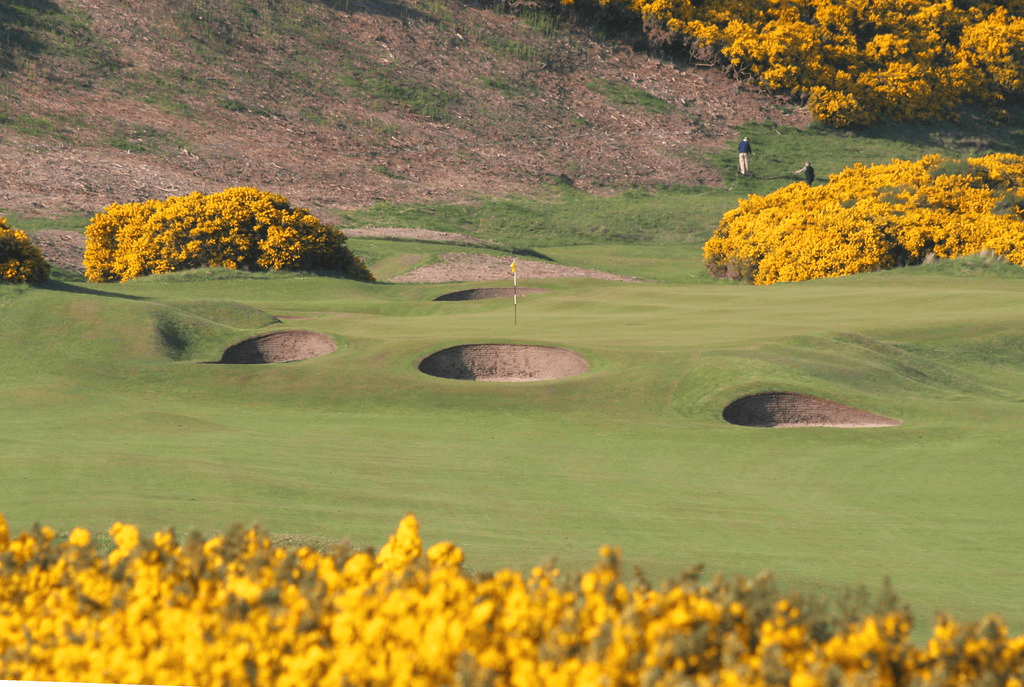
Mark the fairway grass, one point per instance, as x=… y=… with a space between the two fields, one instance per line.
x=110 y=415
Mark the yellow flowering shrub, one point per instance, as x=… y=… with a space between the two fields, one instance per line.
x=235 y=610
x=21 y=261
x=875 y=217
x=858 y=61
x=239 y=228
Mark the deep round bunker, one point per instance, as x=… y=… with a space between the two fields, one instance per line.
x=504 y=363
x=279 y=347
x=787 y=409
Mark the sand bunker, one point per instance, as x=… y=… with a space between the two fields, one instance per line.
x=279 y=347
x=480 y=294
x=479 y=267
x=784 y=409
x=503 y=363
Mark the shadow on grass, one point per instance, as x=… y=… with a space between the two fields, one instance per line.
x=529 y=252
x=976 y=132
x=18 y=24
x=66 y=287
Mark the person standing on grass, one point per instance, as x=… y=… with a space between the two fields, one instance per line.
x=745 y=152
x=808 y=173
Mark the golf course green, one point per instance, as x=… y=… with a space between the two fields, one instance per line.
x=113 y=411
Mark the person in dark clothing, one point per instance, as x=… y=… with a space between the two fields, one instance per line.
x=745 y=152
x=808 y=173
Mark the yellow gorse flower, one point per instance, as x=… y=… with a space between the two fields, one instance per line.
x=858 y=61
x=238 y=228
x=869 y=218
x=21 y=261
x=236 y=610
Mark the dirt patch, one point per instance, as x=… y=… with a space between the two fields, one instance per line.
x=503 y=363
x=63 y=249
x=786 y=409
x=279 y=347
x=520 y=122
x=481 y=294
x=479 y=267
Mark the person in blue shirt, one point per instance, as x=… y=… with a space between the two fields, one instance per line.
x=745 y=152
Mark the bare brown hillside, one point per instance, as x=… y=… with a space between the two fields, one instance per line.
x=342 y=104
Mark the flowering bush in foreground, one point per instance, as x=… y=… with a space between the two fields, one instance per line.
x=875 y=217
x=21 y=261
x=234 y=610
x=239 y=228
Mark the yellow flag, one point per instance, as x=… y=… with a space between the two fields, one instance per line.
x=513 y=266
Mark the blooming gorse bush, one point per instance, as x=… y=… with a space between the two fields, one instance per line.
x=875 y=217
x=234 y=610
x=21 y=261
x=859 y=61
x=239 y=228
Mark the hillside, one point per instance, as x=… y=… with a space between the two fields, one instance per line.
x=342 y=103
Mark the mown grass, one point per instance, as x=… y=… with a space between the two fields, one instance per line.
x=108 y=422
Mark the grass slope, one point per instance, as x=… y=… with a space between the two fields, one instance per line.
x=106 y=422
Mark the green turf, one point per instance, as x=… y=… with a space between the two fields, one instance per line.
x=110 y=415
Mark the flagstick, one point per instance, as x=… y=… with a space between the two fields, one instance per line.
x=515 y=299
x=515 y=294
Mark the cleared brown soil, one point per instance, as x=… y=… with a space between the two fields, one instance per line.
x=64 y=249
x=519 y=123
